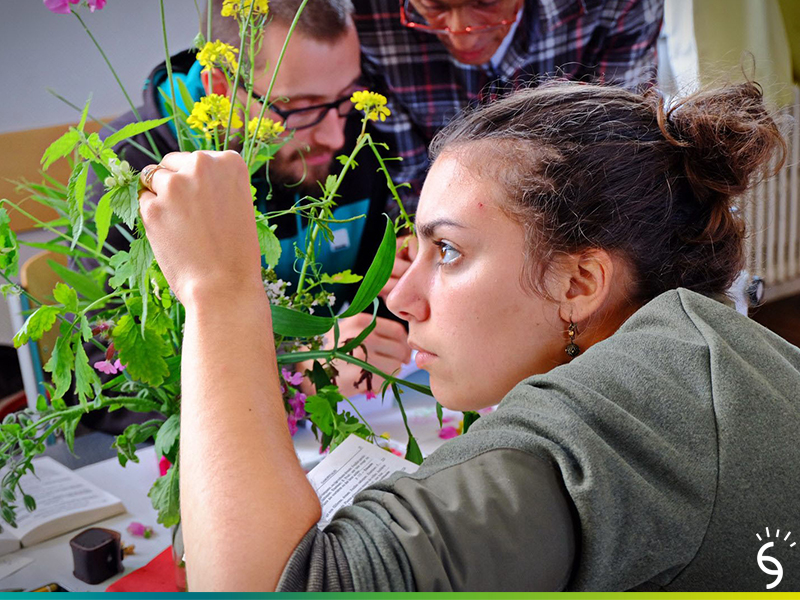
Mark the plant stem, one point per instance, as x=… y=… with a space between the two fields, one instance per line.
x=122 y=87
x=234 y=88
x=249 y=151
x=178 y=124
x=328 y=196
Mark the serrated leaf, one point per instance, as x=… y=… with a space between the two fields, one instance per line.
x=123 y=269
x=167 y=437
x=66 y=296
x=267 y=240
x=9 y=249
x=87 y=382
x=165 y=496
x=61 y=361
x=76 y=192
x=346 y=276
x=36 y=325
x=377 y=275
x=330 y=184
x=124 y=202
x=133 y=129
x=86 y=331
x=84 y=285
x=102 y=219
x=142 y=356
x=69 y=428
x=60 y=148
x=293 y=323
x=319 y=411
x=142 y=258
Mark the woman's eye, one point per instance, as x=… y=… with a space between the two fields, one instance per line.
x=447 y=253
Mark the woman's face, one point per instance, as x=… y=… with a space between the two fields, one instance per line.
x=478 y=332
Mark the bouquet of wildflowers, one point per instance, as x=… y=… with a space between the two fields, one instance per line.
x=123 y=305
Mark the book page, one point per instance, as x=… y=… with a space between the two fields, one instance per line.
x=64 y=501
x=351 y=467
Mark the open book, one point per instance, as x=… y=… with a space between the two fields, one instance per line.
x=65 y=501
x=351 y=467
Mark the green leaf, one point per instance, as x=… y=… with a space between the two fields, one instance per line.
x=125 y=202
x=470 y=416
x=133 y=129
x=69 y=427
x=87 y=382
x=165 y=496
x=102 y=219
x=41 y=403
x=143 y=356
x=66 y=296
x=9 y=249
x=76 y=193
x=344 y=277
x=40 y=322
x=84 y=113
x=293 y=323
x=86 y=331
x=439 y=413
x=123 y=269
x=359 y=339
x=94 y=151
x=378 y=274
x=83 y=284
x=413 y=453
x=60 y=148
x=61 y=361
x=58 y=248
x=319 y=410
x=167 y=438
x=267 y=240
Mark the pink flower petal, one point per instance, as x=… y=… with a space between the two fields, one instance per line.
x=447 y=433
x=95 y=4
x=292 y=422
x=60 y=7
x=106 y=367
x=119 y=366
x=163 y=466
x=371 y=395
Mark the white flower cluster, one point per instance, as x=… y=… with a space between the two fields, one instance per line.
x=276 y=290
x=121 y=173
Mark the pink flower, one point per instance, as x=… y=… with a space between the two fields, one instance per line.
x=298 y=404
x=106 y=366
x=95 y=4
x=371 y=395
x=61 y=7
x=291 y=420
x=119 y=366
x=163 y=466
x=447 y=433
x=140 y=530
x=396 y=452
x=292 y=378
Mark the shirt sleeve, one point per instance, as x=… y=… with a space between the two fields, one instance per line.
x=499 y=520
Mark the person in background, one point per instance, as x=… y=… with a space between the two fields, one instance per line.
x=576 y=245
x=313 y=100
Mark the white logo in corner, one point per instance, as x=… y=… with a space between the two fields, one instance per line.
x=764 y=561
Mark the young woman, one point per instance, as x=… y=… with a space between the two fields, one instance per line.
x=575 y=246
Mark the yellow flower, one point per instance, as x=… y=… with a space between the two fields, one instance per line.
x=373 y=105
x=267 y=131
x=218 y=54
x=234 y=8
x=211 y=113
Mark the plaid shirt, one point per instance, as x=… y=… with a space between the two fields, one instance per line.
x=608 y=40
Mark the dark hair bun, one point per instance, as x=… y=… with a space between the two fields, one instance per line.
x=726 y=136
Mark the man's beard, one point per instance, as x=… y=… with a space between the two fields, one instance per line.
x=295 y=174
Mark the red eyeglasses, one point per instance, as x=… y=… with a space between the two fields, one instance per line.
x=413 y=18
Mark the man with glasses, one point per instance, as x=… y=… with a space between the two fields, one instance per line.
x=311 y=96
x=433 y=58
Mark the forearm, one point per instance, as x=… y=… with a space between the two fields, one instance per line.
x=245 y=501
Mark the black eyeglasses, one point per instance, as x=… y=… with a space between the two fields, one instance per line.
x=303 y=118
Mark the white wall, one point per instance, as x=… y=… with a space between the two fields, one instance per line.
x=39 y=49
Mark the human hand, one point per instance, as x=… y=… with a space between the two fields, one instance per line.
x=198 y=213
x=387 y=349
x=407 y=247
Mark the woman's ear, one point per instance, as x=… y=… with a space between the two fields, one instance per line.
x=587 y=281
x=214 y=82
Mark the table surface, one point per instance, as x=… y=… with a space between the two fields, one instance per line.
x=53 y=558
